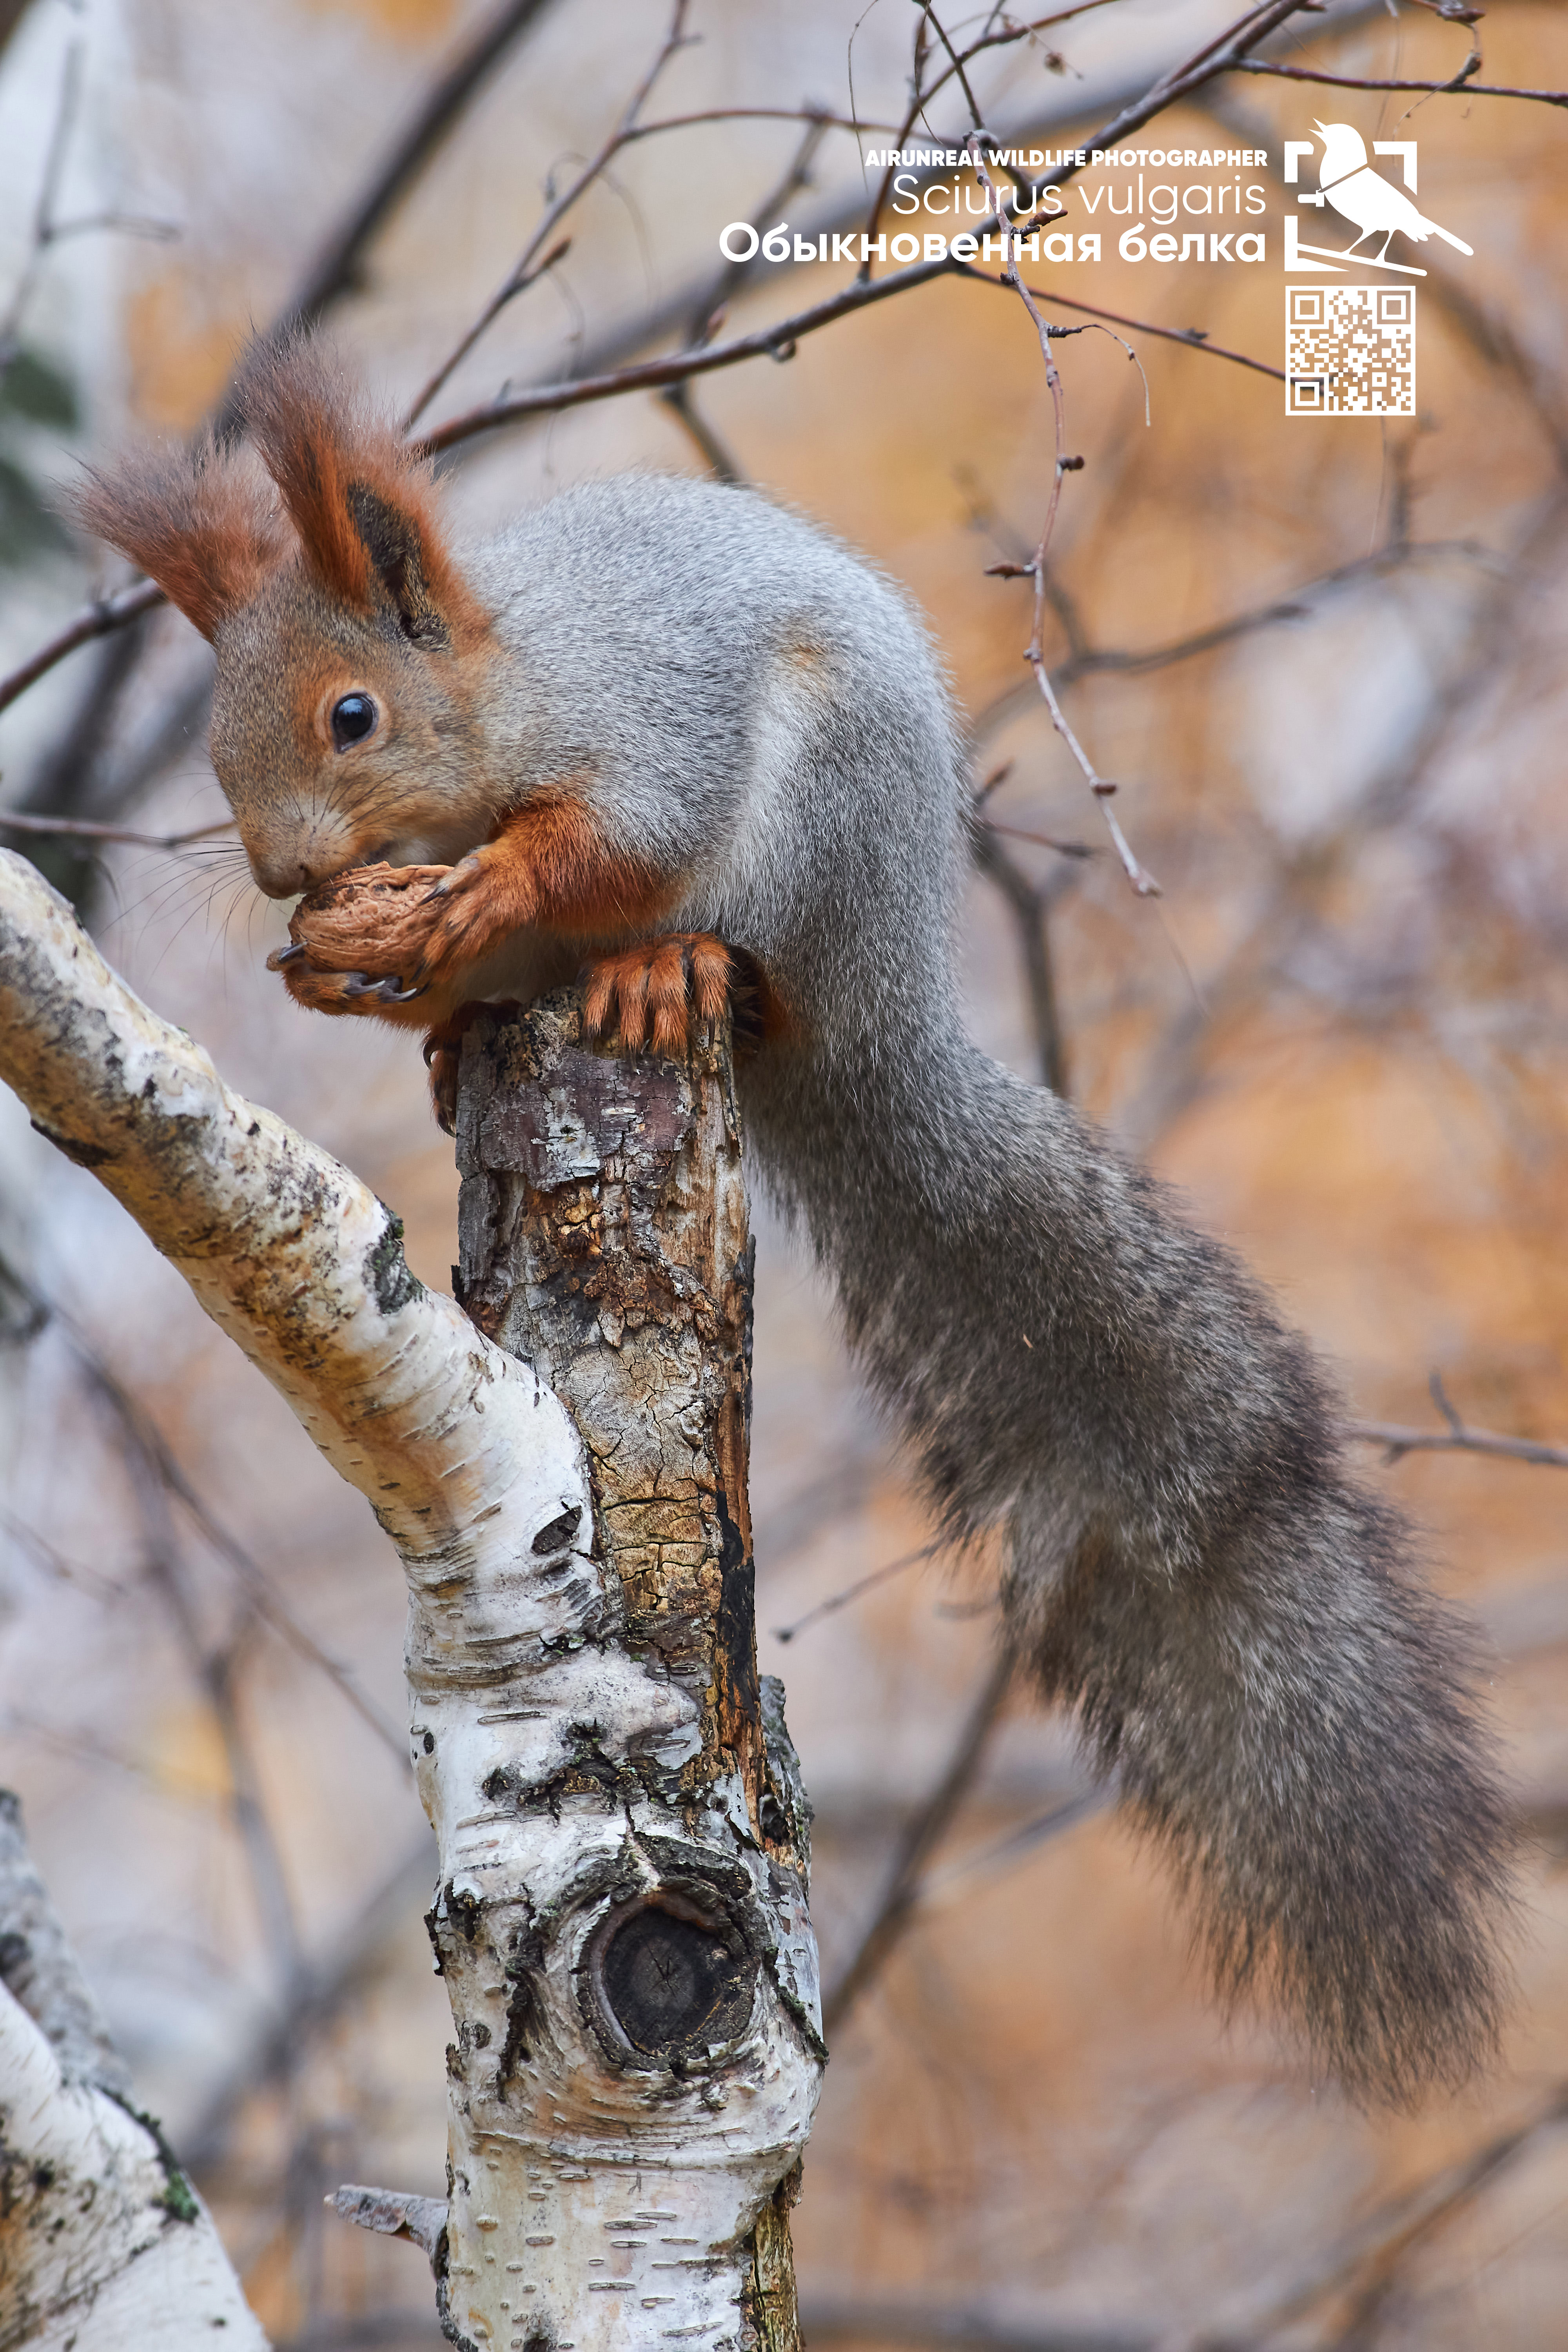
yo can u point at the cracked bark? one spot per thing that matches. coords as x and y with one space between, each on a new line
621 1910
622 1923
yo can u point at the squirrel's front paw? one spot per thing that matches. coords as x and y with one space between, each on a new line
670 984
468 908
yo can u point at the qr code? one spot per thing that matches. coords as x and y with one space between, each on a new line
1349 350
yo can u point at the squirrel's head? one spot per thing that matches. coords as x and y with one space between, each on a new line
347 703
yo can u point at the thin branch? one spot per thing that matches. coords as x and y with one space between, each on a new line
213 1668
924 92
836 1601
336 276
98 619
1459 85
1030 903
716 454
262 2053
81 828
1142 881
778 340
1093 661
528 267
821 117
922 1836
1193 338
1389 2233
147 1444
338 270
1040 840
1398 1441
337 273
1013 1846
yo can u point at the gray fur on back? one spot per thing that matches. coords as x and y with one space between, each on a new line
1285 1706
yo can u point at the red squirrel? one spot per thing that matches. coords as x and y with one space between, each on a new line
670 736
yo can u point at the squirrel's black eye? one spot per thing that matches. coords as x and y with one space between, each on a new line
354 718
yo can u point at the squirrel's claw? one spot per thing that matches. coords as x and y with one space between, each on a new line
388 990
677 987
282 956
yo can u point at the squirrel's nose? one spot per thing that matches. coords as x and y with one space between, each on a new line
297 858
284 877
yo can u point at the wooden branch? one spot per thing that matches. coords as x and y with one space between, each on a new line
98 619
337 269
1399 1439
919 1840
1459 85
104 2245
621 1910
1028 902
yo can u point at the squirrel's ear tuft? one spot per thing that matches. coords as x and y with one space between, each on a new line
363 505
197 522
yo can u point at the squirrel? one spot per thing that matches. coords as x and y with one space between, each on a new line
666 734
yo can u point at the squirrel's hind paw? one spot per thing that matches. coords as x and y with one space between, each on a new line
659 992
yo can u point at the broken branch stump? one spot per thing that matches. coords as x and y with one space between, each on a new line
622 1922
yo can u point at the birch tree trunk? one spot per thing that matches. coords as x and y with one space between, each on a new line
621 1911
104 2244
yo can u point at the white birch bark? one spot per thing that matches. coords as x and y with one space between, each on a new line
104 2245
621 1916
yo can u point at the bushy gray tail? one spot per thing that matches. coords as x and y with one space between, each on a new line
1284 1707
1293 1725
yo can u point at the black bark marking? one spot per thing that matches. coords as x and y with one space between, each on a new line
559 1533
387 1275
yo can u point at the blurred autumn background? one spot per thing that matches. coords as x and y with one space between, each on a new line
1322 660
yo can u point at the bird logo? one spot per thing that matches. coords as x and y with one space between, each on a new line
1370 203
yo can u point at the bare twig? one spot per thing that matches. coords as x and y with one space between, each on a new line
214 1666
1142 881
262 2053
337 275
719 459
923 92
534 261
338 270
98 619
1029 902
923 1834
81 828
1398 1441
838 1601
47 230
1460 83
1386 2236
777 341
1192 339
146 1445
